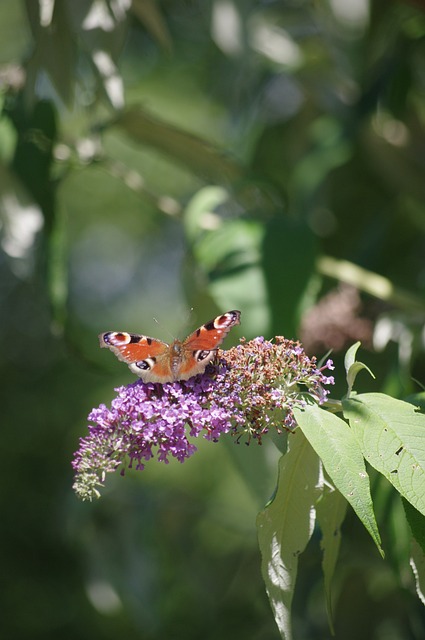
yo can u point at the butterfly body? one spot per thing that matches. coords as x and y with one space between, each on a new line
156 361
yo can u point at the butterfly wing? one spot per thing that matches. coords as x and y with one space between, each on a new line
200 347
210 336
147 357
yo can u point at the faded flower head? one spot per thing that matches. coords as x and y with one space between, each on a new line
253 388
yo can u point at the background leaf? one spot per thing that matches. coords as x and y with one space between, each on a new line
200 156
226 252
289 256
148 13
418 400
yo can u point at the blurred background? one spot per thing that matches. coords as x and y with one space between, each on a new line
163 156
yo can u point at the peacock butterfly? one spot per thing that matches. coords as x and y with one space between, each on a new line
156 361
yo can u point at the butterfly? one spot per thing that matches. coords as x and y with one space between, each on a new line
156 361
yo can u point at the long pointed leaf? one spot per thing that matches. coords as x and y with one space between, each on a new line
416 522
331 510
194 152
335 443
286 524
417 562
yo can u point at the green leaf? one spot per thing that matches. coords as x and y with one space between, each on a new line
57 276
331 510
417 562
201 157
418 400
289 258
256 465
286 525
391 435
350 356
335 443
18 210
353 367
416 523
200 214
151 17
55 51
227 251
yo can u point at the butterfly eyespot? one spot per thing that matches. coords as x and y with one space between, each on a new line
143 365
116 338
201 355
227 320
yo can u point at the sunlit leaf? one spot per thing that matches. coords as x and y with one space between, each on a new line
286 524
353 367
350 356
335 443
417 562
391 436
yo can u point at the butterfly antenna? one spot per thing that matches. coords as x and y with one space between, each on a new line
165 328
189 315
187 321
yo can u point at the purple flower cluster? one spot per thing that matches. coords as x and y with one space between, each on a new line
270 379
253 388
143 419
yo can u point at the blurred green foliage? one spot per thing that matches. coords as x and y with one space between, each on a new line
217 154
